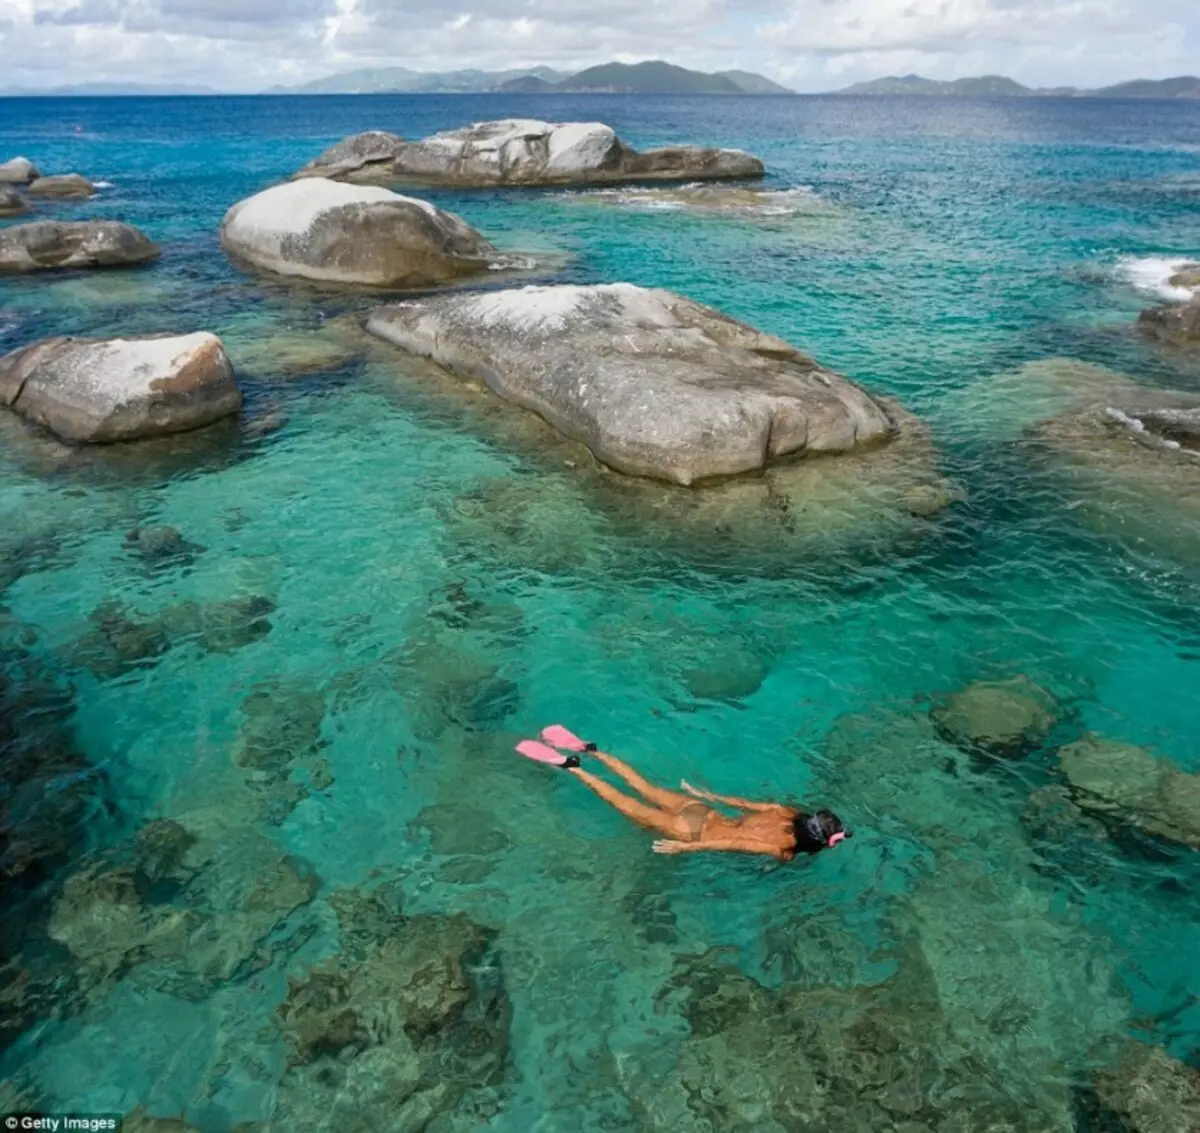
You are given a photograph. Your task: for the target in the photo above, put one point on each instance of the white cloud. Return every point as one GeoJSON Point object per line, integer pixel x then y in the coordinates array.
{"type": "Point", "coordinates": [250, 44]}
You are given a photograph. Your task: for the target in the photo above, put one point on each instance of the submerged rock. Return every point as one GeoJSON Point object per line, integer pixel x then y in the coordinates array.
{"type": "Point", "coordinates": [159, 853]}
{"type": "Point", "coordinates": [654, 384]}
{"type": "Point", "coordinates": [523, 152]}
{"type": "Point", "coordinates": [998, 718]}
{"type": "Point", "coordinates": [49, 790]}
{"type": "Point", "coordinates": [62, 185]}
{"type": "Point", "coordinates": [11, 202]}
{"type": "Point", "coordinates": [48, 244]}
{"type": "Point", "coordinates": [461, 829]}
{"type": "Point", "coordinates": [1024, 983]}
{"type": "Point", "coordinates": [219, 627]}
{"type": "Point", "coordinates": [529, 523]}
{"type": "Point", "coordinates": [102, 920]}
{"type": "Point", "coordinates": [117, 642]}
{"type": "Point", "coordinates": [1151, 1092]}
{"type": "Point", "coordinates": [180, 912]}
{"type": "Point", "coordinates": [18, 171]}
{"type": "Point", "coordinates": [882, 1057]}
{"type": "Point", "coordinates": [161, 545]}
{"type": "Point", "coordinates": [1178, 323]}
{"type": "Point", "coordinates": [280, 738]}
{"type": "Point", "coordinates": [34, 988]}
{"type": "Point", "coordinates": [1135, 462]}
{"type": "Point", "coordinates": [1134, 787]}
{"type": "Point", "coordinates": [291, 353]}
{"type": "Point", "coordinates": [119, 639]}
{"type": "Point", "coordinates": [102, 390]}
{"type": "Point", "coordinates": [398, 1027]}
{"type": "Point", "coordinates": [336, 233]}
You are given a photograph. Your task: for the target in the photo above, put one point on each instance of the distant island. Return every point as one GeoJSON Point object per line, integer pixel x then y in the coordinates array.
{"type": "Point", "coordinates": [655, 77]}
{"type": "Point", "coordinates": [609, 78]}
{"type": "Point", "coordinates": [648, 78]}
{"type": "Point", "coordinates": [400, 80]}
{"type": "Point", "coordinates": [997, 86]}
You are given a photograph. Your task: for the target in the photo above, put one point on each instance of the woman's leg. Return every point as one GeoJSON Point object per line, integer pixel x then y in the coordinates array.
{"type": "Point", "coordinates": [659, 796]}
{"type": "Point", "coordinates": [662, 821]}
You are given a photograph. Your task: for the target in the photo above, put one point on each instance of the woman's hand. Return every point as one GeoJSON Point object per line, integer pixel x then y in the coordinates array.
{"type": "Point", "coordinates": [664, 846]}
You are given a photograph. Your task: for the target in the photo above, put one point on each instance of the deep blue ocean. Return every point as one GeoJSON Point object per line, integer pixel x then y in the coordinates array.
{"type": "Point", "coordinates": [382, 585]}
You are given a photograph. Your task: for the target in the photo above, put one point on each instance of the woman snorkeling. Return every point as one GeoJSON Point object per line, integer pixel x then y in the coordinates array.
{"type": "Point", "coordinates": [689, 823]}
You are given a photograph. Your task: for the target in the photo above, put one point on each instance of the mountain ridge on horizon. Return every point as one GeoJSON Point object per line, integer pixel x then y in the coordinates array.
{"type": "Point", "coordinates": [1000, 86]}
{"type": "Point", "coordinates": [650, 77]}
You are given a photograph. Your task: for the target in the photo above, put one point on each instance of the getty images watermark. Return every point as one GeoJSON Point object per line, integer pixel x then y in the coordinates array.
{"type": "Point", "coordinates": [61, 1122]}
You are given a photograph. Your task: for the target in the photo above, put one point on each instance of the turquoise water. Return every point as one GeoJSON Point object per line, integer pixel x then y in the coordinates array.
{"type": "Point", "coordinates": [394, 583]}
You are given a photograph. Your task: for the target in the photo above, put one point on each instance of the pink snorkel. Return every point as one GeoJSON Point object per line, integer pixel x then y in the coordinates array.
{"type": "Point", "coordinates": [834, 839]}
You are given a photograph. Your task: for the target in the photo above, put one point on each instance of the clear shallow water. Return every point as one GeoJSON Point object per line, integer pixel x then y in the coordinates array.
{"type": "Point", "coordinates": [431, 582]}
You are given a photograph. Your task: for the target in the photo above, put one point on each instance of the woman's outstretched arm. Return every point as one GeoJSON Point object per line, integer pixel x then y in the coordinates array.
{"type": "Point", "coordinates": [733, 845]}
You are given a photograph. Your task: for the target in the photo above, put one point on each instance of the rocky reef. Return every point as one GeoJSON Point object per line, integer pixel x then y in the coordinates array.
{"type": "Point", "coordinates": [522, 152]}
{"type": "Point", "coordinates": [184, 907]}
{"type": "Point", "coordinates": [118, 640]}
{"type": "Point", "coordinates": [1148, 1091]}
{"type": "Point", "coordinates": [279, 744]}
{"type": "Point", "coordinates": [407, 1027]}
{"type": "Point", "coordinates": [881, 1058]}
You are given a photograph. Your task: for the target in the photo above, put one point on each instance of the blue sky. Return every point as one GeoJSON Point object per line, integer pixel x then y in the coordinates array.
{"type": "Point", "coordinates": [810, 44]}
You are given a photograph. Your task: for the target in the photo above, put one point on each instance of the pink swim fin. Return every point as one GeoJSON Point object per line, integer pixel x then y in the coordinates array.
{"type": "Point", "coordinates": [559, 736]}
{"type": "Point", "coordinates": [531, 749]}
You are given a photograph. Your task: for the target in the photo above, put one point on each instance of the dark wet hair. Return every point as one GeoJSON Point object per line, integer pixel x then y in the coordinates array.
{"type": "Point", "coordinates": [813, 831]}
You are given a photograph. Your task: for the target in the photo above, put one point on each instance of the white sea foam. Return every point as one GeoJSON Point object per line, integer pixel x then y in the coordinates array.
{"type": "Point", "coordinates": [706, 197]}
{"type": "Point", "coordinates": [102, 184]}
{"type": "Point", "coordinates": [1137, 425]}
{"type": "Point", "coordinates": [1152, 274]}
{"type": "Point", "coordinates": [1134, 423]}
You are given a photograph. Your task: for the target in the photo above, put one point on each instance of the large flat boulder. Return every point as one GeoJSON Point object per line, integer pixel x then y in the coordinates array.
{"type": "Point", "coordinates": [653, 384]}
{"type": "Point", "coordinates": [48, 244]}
{"type": "Point", "coordinates": [11, 202]}
{"type": "Point", "coordinates": [521, 151]}
{"type": "Point", "coordinates": [18, 171]}
{"type": "Point", "coordinates": [120, 389]}
{"type": "Point", "coordinates": [324, 230]}
{"type": "Point", "coordinates": [1178, 323]}
{"type": "Point", "coordinates": [62, 185]}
